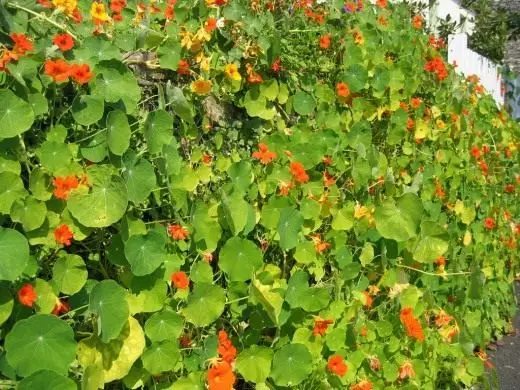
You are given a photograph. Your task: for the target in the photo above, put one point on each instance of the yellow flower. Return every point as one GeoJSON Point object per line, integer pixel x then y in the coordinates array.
{"type": "Point", "coordinates": [215, 3]}
{"type": "Point", "coordinates": [232, 73]}
{"type": "Point", "coordinates": [201, 59]}
{"type": "Point", "coordinates": [440, 124]}
{"type": "Point", "coordinates": [97, 11]}
{"type": "Point", "coordinates": [68, 6]}
{"type": "Point", "coordinates": [202, 35]}
{"type": "Point", "coordinates": [201, 86]}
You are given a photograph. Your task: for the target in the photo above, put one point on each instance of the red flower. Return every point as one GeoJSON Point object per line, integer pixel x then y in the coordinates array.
{"type": "Point", "coordinates": [117, 6]}
{"type": "Point", "coordinates": [210, 25]}
{"type": "Point", "coordinates": [325, 41]}
{"type": "Point", "coordinates": [328, 180]}
{"type": "Point", "coordinates": [440, 261]}
{"type": "Point", "coordinates": [483, 167]}
{"type": "Point", "coordinates": [510, 188]}
{"type": "Point", "coordinates": [417, 22]}
{"type": "Point", "coordinates": [489, 223]}
{"type": "Point", "coordinates": [255, 78]}
{"type": "Point", "coordinates": [63, 235]}
{"type": "Point", "coordinates": [221, 377]}
{"type": "Point", "coordinates": [437, 66]}
{"type": "Point", "coordinates": [276, 67]}
{"type": "Point", "coordinates": [60, 308]}
{"type": "Point", "coordinates": [320, 327]}
{"type": "Point", "coordinates": [81, 73]}
{"type": "Point", "coordinates": [58, 70]}
{"type": "Point", "coordinates": [177, 232]}
{"type": "Point", "coordinates": [117, 17]}
{"type": "Point", "coordinates": [382, 3]}
{"type": "Point", "coordinates": [264, 154]}
{"type": "Point", "coordinates": [63, 41]}
{"type": "Point", "coordinates": [27, 295]}
{"type": "Point", "coordinates": [416, 102]}
{"type": "Point", "coordinates": [412, 325]}
{"type": "Point", "coordinates": [63, 185]}
{"type": "Point", "coordinates": [183, 68]}
{"type": "Point", "coordinates": [475, 151]}
{"type": "Point", "coordinates": [21, 44]}
{"type": "Point", "coordinates": [342, 90]}
{"type": "Point", "coordinates": [337, 366]}
{"type": "Point", "coordinates": [298, 172]}
{"type": "Point", "coordinates": [77, 16]}
{"type": "Point", "coordinates": [180, 280]}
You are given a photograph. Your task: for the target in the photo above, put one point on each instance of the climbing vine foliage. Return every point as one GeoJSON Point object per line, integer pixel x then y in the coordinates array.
{"type": "Point", "coordinates": [230, 194]}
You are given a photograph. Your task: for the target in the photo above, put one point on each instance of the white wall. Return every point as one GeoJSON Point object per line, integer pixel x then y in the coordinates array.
{"type": "Point", "coordinates": [472, 63]}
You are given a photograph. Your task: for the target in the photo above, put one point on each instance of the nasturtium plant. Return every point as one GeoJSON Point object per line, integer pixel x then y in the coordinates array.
{"type": "Point", "coordinates": [232, 194]}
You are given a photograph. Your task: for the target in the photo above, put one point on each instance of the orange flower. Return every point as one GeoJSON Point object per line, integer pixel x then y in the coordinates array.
{"type": "Point", "coordinates": [320, 326]}
{"type": "Point", "coordinates": [169, 13]}
{"type": "Point", "coordinates": [183, 68]}
{"type": "Point", "coordinates": [81, 73]}
{"type": "Point", "coordinates": [63, 235]}
{"type": "Point", "coordinates": [359, 39]}
{"type": "Point", "coordinates": [368, 299]}
{"type": "Point", "coordinates": [437, 66]}
{"type": "Point", "coordinates": [381, 20]}
{"type": "Point", "coordinates": [416, 102]}
{"type": "Point", "coordinates": [298, 172]}
{"type": "Point", "coordinates": [412, 325]}
{"type": "Point", "coordinates": [177, 232]}
{"type": "Point", "coordinates": [180, 280]}
{"type": "Point", "coordinates": [363, 385]}
{"type": "Point", "coordinates": [342, 90]}
{"type": "Point", "coordinates": [337, 366]}
{"type": "Point", "coordinates": [327, 160]}
{"type": "Point", "coordinates": [406, 370]}
{"type": "Point", "coordinates": [255, 78]}
{"type": "Point", "coordinates": [210, 25]}
{"type": "Point", "coordinates": [264, 154]}
{"type": "Point", "coordinates": [382, 3]}
{"type": "Point", "coordinates": [207, 159]}
{"type": "Point", "coordinates": [221, 377]}
{"type": "Point", "coordinates": [201, 86]}
{"type": "Point", "coordinates": [225, 349]}
{"type": "Point", "coordinates": [63, 185]}
{"type": "Point", "coordinates": [60, 308]}
{"type": "Point", "coordinates": [489, 223]}
{"type": "Point", "coordinates": [325, 41]}
{"type": "Point", "coordinates": [207, 256]}
{"type": "Point", "coordinates": [475, 151]}
{"type": "Point", "coordinates": [21, 44]}
{"type": "Point", "coordinates": [440, 261]}
{"type": "Point", "coordinates": [27, 295]}
{"type": "Point", "coordinates": [443, 318]}
{"type": "Point", "coordinates": [417, 22]}
{"type": "Point", "coordinates": [284, 188]}
{"type": "Point", "coordinates": [58, 70]}
{"type": "Point", "coordinates": [328, 180]}
{"type": "Point", "coordinates": [363, 331]}
{"type": "Point", "coordinates": [410, 124]}
{"type": "Point", "coordinates": [319, 245]}
{"type": "Point", "coordinates": [63, 41]}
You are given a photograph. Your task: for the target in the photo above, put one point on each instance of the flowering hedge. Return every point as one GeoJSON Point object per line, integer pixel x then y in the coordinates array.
{"type": "Point", "coordinates": [247, 194]}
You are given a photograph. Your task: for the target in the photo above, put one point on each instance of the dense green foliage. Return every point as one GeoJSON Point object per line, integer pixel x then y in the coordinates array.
{"type": "Point", "coordinates": [247, 194]}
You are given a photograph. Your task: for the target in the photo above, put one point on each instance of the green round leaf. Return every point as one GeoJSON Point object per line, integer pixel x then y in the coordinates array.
{"type": "Point", "coordinates": [303, 103]}
{"type": "Point", "coordinates": [356, 77]}
{"type": "Point", "coordinates": [46, 300]}
{"type": "Point", "coordinates": [11, 189]}
{"type": "Point", "coordinates": [54, 155]}
{"type": "Point", "coordinates": [433, 242]}
{"type": "Point", "coordinates": [254, 363]}
{"type": "Point", "coordinates": [158, 130]}
{"type": "Point", "coordinates": [29, 212]}
{"type": "Point", "coordinates": [239, 259]}
{"type": "Point", "coordinates": [289, 227]}
{"type": "Point", "coordinates": [145, 253]}
{"type": "Point", "coordinates": [6, 302]}
{"type": "Point", "coordinates": [104, 204]}
{"type": "Point", "coordinates": [399, 221]}
{"type": "Point", "coordinates": [161, 357]}
{"type": "Point", "coordinates": [108, 301]}
{"type": "Point", "coordinates": [16, 115]}
{"type": "Point", "coordinates": [205, 304]}
{"type": "Point", "coordinates": [140, 180]}
{"type": "Point", "coordinates": [87, 110]}
{"type": "Point", "coordinates": [69, 274]}
{"type": "Point", "coordinates": [291, 365]}
{"type": "Point", "coordinates": [40, 342]}
{"type": "Point", "coordinates": [47, 380]}
{"type": "Point", "coordinates": [118, 132]}
{"type": "Point", "coordinates": [15, 254]}
{"type": "Point", "coordinates": [165, 325]}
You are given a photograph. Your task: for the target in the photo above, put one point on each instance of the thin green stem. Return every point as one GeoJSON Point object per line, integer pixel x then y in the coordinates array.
{"type": "Point", "coordinates": [433, 274]}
